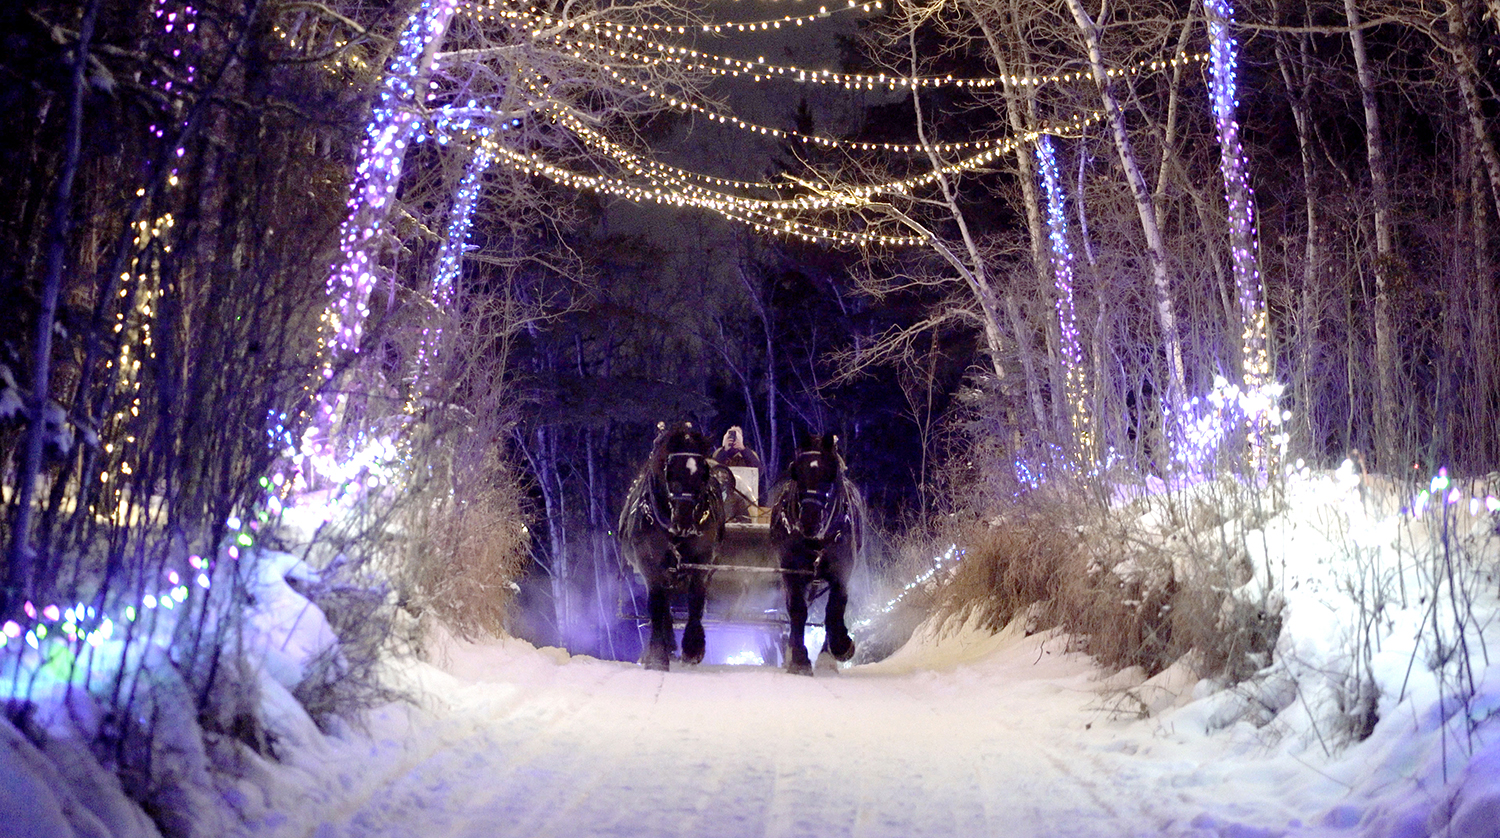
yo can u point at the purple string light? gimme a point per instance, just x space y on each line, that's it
1243 239
450 258
403 93
1062 273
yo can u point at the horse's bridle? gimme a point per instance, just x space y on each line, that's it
699 500
830 502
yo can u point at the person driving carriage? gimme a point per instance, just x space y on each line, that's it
740 459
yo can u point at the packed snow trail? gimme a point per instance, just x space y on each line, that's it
976 735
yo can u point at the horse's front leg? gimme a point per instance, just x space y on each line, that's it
693 642
837 640
797 661
658 652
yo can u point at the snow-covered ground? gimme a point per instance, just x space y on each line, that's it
960 733
967 735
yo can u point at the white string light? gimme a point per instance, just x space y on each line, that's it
760 70
823 12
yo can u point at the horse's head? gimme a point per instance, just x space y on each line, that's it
815 478
686 482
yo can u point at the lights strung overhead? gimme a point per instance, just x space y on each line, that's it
760 70
686 106
835 197
668 185
643 179
788 20
765 221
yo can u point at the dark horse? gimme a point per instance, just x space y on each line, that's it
674 516
816 526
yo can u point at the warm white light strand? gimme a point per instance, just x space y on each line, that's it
822 13
761 70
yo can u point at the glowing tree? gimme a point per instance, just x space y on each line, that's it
404 90
450 258
1243 242
1062 274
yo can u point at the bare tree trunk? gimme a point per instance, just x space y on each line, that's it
1020 104
1466 68
598 527
1166 310
1297 86
21 561
770 452
1486 353
1027 357
1386 261
549 481
972 269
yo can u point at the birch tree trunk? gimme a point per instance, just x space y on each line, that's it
1020 110
1297 86
1166 310
1466 67
970 265
1386 262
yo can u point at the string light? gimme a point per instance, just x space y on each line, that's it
377 174
1243 241
489 11
823 12
667 187
544 26
686 106
1062 272
450 257
531 164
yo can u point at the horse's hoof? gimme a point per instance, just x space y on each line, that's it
693 644
796 660
656 659
842 648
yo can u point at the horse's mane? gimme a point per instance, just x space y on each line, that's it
681 438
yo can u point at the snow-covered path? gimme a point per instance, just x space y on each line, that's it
978 735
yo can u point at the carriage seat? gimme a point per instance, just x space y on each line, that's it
744 503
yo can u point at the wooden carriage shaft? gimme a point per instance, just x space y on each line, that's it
742 568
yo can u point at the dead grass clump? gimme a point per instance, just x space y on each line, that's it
466 550
1131 597
1010 565
1119 602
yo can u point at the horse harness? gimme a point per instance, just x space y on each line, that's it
652 503
834 505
